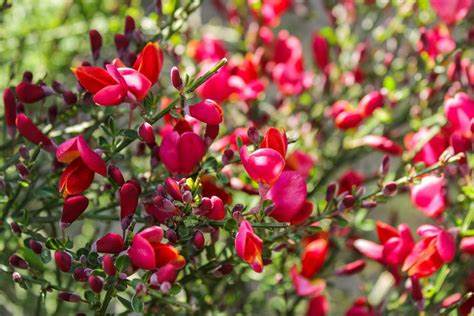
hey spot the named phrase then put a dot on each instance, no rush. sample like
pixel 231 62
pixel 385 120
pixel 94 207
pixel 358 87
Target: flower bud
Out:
pixel 223 269
pixel 198 240
pixel 129 194
pixel 187 197
pixel 176 78
pixel 165 287
pixel 73 207
pixel 110 243
pixel 63 260
pixel 80 274
pixel 253 135
pixel 30 93
pixel 115 174
pixel 146 133
pixel 69 297
pixel 16 277
pixel 390 188
pixel 121 42
pixel 331 191
pixel 30 131
pixel 227 156
pixel 171 236
pixel 18 262
pixel 172 188
pixel 10 109
pixel 348 201
pixel 22 170
pixel 69 97
pixel 96 283
pixel 52 113
pixel 369 204
pixel 16 229
pixel 467 245
pixel 108 265
pixel 96 43
pixel 35 246
pixel 369 103
pixel 385 165
pixel 351 268
pixel 24 152
pixel 129 25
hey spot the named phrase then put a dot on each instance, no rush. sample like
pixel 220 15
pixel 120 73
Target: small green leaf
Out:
pixel 137 304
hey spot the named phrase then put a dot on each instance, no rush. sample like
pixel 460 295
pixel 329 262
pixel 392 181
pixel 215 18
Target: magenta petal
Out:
pixel 191 149
pixel 169 152
pixel 67 151
pixel 288 195
pixel 152 234
pixel 110 243
pixel 303 286
pixel 90 158
pixel 428 230
pixel 207 111
pixel 369 249
pixel 129 193
pixel 141 253
pixel 110 95
pixel 136 82
pixel 263 165
pixel 446 246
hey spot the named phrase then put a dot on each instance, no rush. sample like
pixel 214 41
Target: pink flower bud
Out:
pixel 348 201
pixel 9 110
pixel 146 133
pixel 207 111
pixel 129 193
pixel 110 243
pixel 263 165
pixel 171 236
pixel 18 262
pixel 172 188
pixel 96 43
pixel 63 260
pixel 198 240
pixel 115 174
pixel 16 229
pixel 69 297
pixel 96 283
pixel 16 277
pixel 80 274
pixel 390 188
pixel 167 273
pixel 29 130
pixel 73 207
pixel 383 144
pixel 369 103
pixel 385 165
pixel 30 93
pixel 35 246
pixel 108 265
pixel 253 135
pixel 213 208
pixel 176 78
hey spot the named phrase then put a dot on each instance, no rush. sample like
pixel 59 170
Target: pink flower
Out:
pixel 249 246
pixel 245 79
pixel 300 162
pixel 350 180
pixel 318 306
pixel 304 286
pixel 181 153
pixel 459 111
pixel 432 148
pixel 383 144
pixel 207 48
pixel 147 252
pixel 218 87
pixel 275 139
pixel 436 41
pixel 436 248
pixel 263 165
pixel 429 196
pixel 370 102
pixel 288 195
pixel 269 11
pixel 213 208
pixel 83 163
pixel 110 243
pixel 451 11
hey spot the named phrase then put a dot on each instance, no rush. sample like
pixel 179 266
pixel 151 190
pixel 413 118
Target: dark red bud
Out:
pixel 227 156
pixel 171 236
pixel 73 207
pixel 348 201
pixel 129 194
pixel 70 98
pixel 253 135
pixel 176 78
pixel 69 297
pixel 27 76
pixel 22 170
pixel 63 260
pixel 96 283
pixel 385 166
pixel 24 152
pixel 187 197
pixel 115 174
pixel 369 204
pixel 108 265
pixel 121 42
pixel 18 262
pixel 390 188
pixel 52 113
pixel 80 274
pixel 30 93
pixel 351 268
pixel 146 133
pixel 129 25
pixel 96 43
pixel 35 246
pixel 16 277
pixel 16 229
pixel 331 191
pixel 198 240
pixel 110 243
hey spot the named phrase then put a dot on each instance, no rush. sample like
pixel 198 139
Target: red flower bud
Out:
pixel 321 52
pixel 96 43
pixel 198 240
pixel 16 229
pixel 207 111
pixel 35 246
pixel 172 188
pixel 108 265
pixel 149 62
pixel 351 268
pixel 348 119
pixel 81 274
pixel 9 104
pixel 390 188
pixel 110 243
pixel 18 262
pixel 146 133
pixel 63 260
pixel 115 174
pixel 29 130
pixel 96 283
pixel 129 25
pixel 73 207
pixel 69 297
pixel 121 42
pixel 467 245
pixel 176 78
pixel 129 193
pixel 30 93
pixel 369 103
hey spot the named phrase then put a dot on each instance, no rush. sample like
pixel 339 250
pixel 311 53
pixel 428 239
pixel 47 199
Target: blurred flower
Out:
pixel 451 11
pixel 429 196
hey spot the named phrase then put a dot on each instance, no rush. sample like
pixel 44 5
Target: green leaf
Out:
pixel 125 302
pixel 137 304
pixel 230 225
pixel 390 84
pixel 122 262
pixel 175 289
pixel 54 244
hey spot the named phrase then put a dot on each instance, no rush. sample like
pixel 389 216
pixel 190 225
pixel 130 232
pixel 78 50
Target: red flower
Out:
pixel 383 144
pixel 207 48
pixel 249 246
pixel 429 196
pixel 321 52
pixel 350 180
pixel 269 11
pixel 305 287
pixel 436 248
pixel 149 62
pixel 369 103
pixel 147 252
pixel 432 148
pixel 436 41
pixel 263 165
pixel 110 243
pixel 73 207
pixel 128 193
pixel 275 139
pixel 207 111
pixel 181 153
pixel 318 306
pixel 451 11
pixel 313 257
pixel 30 131
pixel 83 163
pixel 30 93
